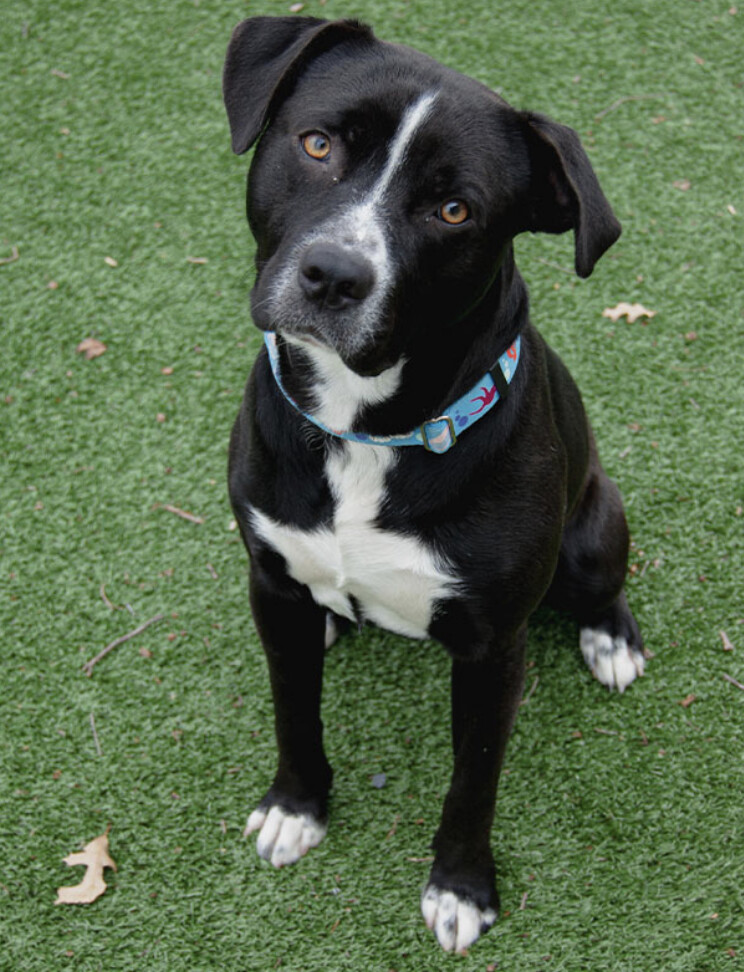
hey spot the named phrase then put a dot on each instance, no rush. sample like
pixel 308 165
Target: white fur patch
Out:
pixel 284 837
pixel 396 580
pixel 342 392
pixel 412 120
pixel 612 661
pixel 455 921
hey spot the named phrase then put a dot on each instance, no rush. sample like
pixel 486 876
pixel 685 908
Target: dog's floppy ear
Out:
pixel 565 193
pixel 264 56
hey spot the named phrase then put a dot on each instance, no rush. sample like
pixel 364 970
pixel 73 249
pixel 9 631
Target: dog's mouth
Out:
pixel 310 340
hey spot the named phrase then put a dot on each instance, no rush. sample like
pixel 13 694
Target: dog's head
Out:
pixel 385 188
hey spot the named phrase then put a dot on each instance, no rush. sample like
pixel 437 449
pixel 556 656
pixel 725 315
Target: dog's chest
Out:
pixel 392 579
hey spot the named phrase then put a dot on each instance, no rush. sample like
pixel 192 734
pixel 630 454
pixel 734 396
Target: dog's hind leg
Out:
pixel 589 579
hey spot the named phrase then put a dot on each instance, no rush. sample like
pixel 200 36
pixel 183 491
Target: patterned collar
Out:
pixel 439 434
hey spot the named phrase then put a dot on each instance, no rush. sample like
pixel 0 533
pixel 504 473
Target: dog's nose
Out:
pixel 335 277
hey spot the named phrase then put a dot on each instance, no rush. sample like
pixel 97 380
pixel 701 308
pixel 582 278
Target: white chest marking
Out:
pixel 396 580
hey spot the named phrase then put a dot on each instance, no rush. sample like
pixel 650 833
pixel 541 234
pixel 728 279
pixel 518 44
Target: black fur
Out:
pixel 520 506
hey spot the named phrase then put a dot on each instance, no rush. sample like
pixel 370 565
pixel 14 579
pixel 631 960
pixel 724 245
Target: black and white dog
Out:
pixel 409 451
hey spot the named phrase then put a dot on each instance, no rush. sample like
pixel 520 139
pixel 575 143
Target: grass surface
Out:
pixel 619 818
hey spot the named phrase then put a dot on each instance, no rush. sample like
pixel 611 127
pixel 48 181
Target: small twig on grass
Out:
pixel 727 646
pixel 182 513
pixel 531 692
pixel 733 681
pixel 95 735
pixel 12 258
pixel 391 832
pixel 622 101
pixel 88 666
pixel 556 266
pixel 523 902
pixel 109 605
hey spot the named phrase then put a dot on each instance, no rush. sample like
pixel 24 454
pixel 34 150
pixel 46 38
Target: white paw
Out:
pixel 612 661
pixel 455 921
pixel 284 837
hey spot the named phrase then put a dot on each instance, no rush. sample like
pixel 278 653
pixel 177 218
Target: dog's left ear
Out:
pixel 565 193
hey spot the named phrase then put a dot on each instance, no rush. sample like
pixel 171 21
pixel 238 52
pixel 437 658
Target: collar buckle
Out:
pixel 438 435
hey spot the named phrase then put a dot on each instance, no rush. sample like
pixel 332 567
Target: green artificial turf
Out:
pixel 619 826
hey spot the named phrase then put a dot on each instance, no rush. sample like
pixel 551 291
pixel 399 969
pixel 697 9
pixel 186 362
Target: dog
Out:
pixel 409 451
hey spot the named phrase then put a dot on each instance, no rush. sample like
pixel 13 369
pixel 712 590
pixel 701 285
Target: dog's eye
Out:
pixel 454 212
pixel 316 145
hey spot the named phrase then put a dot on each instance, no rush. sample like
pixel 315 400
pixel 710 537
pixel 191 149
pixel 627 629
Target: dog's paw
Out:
pixel 457 922
pixel 612 661
pixel 284 837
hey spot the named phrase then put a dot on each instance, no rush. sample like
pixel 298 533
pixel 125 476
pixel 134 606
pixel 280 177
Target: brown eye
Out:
pixel 316 145
pixel 454 212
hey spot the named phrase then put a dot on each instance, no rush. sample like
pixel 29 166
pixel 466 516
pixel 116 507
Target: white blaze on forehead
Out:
pixel 361 227
pixel 415 115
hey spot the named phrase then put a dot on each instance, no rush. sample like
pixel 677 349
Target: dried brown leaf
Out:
pixel 91 348
pixel 94 857
pixel 631 311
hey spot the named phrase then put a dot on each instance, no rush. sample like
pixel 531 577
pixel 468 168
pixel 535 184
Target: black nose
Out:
pixel 335 277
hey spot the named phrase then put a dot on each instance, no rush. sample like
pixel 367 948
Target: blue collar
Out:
pixel 438 434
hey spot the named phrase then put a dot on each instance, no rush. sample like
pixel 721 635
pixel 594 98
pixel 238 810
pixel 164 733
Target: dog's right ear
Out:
pixel 264 57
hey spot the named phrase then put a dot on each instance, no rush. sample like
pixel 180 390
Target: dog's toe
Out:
pixel 457 922
pixel 284 837
pixel 612 661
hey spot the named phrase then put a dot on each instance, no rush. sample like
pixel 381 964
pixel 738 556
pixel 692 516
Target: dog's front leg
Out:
pixel 460 901
pixel 292 816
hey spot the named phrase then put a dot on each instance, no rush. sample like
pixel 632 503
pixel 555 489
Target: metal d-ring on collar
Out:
pixel 438 434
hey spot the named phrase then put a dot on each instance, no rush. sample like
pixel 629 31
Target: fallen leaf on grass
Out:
pixel 687 701
pixel 95 857
pixel 631 311
pixel 91 348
